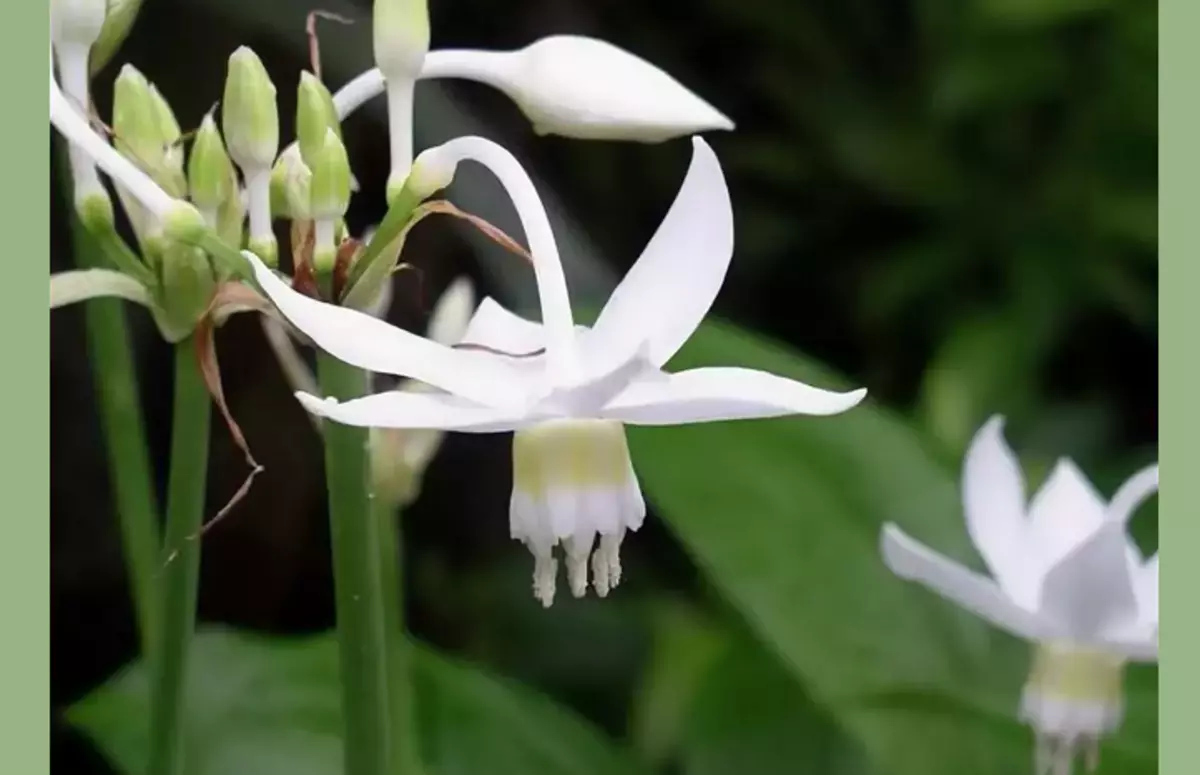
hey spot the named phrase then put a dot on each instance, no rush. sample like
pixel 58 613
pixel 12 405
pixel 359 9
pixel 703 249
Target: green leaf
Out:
pixel 784 515
pixel 777 729
pixel 262 705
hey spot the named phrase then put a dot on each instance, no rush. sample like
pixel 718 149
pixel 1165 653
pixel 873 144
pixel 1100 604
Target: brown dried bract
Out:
pixel 343 263
pixel 228 298
pixel 304 279
pixel 314 45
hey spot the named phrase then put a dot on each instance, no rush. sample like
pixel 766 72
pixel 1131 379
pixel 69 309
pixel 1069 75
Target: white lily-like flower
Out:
pixel 566 390
pixel 75 26
pixel 1065 576
pixel 569 85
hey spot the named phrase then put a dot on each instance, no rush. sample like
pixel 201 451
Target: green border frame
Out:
pixel 1179 376
pixel 25 528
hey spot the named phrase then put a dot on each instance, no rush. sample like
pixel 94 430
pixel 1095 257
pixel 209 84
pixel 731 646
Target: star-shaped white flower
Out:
pixel 566 390
pixel 1065 576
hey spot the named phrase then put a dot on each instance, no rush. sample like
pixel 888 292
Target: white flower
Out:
pixel 566 390
pixel 1065 575
pixel 569 85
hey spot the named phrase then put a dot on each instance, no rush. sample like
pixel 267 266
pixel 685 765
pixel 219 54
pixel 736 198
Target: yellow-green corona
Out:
pixel 573 481
pixel 1074 697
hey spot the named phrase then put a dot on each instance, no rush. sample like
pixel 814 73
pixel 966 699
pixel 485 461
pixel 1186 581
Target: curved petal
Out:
pixel 1066 511
pixel 452 313
pixel 912 560
pixel 368 343
pixel 725 393
pixel 671 287
pixel 83 284
pixel 1133 493
pixel 1090 592
pixel 495 327
pixel 994 504
pixel 414 410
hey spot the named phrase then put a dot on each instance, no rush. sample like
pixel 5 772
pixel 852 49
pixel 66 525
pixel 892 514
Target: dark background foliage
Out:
pixel 953 203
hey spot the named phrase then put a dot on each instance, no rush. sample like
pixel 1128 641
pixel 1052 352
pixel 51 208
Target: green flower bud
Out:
pixel 291 182
pixel 117 23
pixel 315 112
pixel 188 282
pixel 211 178
pixel 250 118
pixel 184 224
pixel 146 130
pixel 400 36
pixel 136 128
pixel 330 187
pixel 231 216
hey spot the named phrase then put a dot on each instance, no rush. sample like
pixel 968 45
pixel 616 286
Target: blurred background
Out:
pixel 951 202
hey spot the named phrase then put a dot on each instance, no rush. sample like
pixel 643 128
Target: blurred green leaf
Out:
pixel 784 515
pixel 1040 12
pixel 686 646
pixel 986 366
pixel 749 715
pixel 260 705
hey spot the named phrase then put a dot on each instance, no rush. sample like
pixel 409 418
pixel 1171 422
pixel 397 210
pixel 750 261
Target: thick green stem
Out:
pixel 115 380
pixel 180 572
pixel 362 618
pixel 405 755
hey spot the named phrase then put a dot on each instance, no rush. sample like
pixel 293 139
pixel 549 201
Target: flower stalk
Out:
pixel 362 617
pixel 180 580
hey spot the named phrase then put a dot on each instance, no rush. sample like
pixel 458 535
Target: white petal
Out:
pixel 83 284
pixel 1146 587
pixel 1090 592
pixel 452 313
pixel 723 393
pixel 402 409
pixel 363 341
pixel 1133 493
pixel 584 88
pixel 494 327
pixel 911 560
pixel 1064 513
pixel 671 287
pixel 994 503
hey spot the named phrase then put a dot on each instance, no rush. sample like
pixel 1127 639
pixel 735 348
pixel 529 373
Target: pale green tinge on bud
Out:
pixel 211 180
pixel 187 287
pixel 291 182
pixel 231 215
pixel 184 223
pixel 315 113
pixel 432 171
pixel 136 131
pixel 117 23
pixel 249 115
pixel 400 36
pixel 146 132
pixel 329 195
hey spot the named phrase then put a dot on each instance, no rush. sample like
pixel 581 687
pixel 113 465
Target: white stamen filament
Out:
pixel 557 319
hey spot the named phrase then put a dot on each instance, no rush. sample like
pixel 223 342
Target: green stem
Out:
pixel 180 580
pixel 362 620
pixel 405 756
pixel 115 380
